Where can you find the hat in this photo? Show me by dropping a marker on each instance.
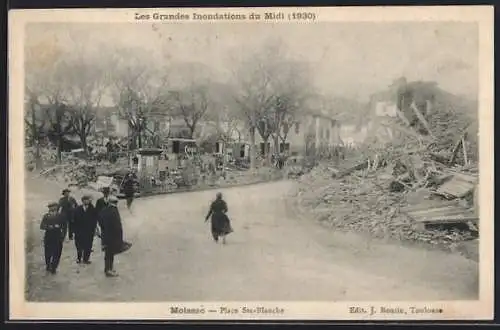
(105, 189)
(52, 204)
(66, 190)
(113, 200)
(86, 197)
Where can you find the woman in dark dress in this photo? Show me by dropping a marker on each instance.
(221, 226)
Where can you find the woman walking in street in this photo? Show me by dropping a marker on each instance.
(221, 225)
(129, 189)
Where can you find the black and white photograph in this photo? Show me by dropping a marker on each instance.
(225, 163)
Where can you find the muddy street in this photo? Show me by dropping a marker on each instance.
(272, 255)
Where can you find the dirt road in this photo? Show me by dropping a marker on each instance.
(272, 255)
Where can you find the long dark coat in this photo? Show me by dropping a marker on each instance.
(220, 221)
(85, 224)
(129, 187)
(53, 226)
(111, 229)
(100, 204)
(67, 207)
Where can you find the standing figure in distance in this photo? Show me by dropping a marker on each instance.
(67, 205)
(221, 225)
(85, 223)
(111, 235)
(129, 189)
(53, 225)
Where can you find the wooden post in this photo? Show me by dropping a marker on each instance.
(464, 149)
(461, 141)
(455, 152)
(422, 119)
(402, 116)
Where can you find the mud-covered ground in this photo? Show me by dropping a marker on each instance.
(272, 255)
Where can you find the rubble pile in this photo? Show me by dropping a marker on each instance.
(413, 188)
(364, 203)
(48, 156)
(74, 172)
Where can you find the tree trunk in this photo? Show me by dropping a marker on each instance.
(83, 140)
(224, 155)
(277, 144)
(267, 151)
(38, 159)
(35, 140)
(59, 148)
(252, 148)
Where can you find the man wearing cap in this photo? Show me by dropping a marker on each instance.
(67, 205)
(53, 225)
(111, 235)
(103, 201)
(85, 223)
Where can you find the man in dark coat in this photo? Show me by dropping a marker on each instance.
(85, 223)
(103, 201)
(221, 226)
(53, 224)
(67, 205)
(111, 235)
(129, 189)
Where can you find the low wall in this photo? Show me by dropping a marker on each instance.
(252, 179)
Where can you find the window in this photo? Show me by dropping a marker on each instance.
(284, 147)
(328, 134)
(262, 148)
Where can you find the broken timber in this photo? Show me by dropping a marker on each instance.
(456, 187)
(422, 119)
(460, 141)
(441, 213)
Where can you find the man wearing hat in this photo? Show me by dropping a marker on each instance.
(67, 205)
(53, 225)
(85, 223)
(103, 201)
(111, 235)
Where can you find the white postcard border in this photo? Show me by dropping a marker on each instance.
(452, 310)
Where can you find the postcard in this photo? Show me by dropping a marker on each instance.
(298, 163)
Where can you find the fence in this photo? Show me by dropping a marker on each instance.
(175, 183)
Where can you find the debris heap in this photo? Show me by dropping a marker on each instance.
(411, 188)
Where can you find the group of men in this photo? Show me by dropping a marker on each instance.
(82, 223)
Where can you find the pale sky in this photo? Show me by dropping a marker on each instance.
(347, 59)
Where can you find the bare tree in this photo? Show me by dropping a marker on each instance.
(86, 82)
(228, 124)
(271, 89)
(45, 84)
(70, 87)
(141, 94)
(35, 124)
(60, 124)
(254, 96)
(192, 103)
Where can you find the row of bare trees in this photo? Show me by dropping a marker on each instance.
(65, 89)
